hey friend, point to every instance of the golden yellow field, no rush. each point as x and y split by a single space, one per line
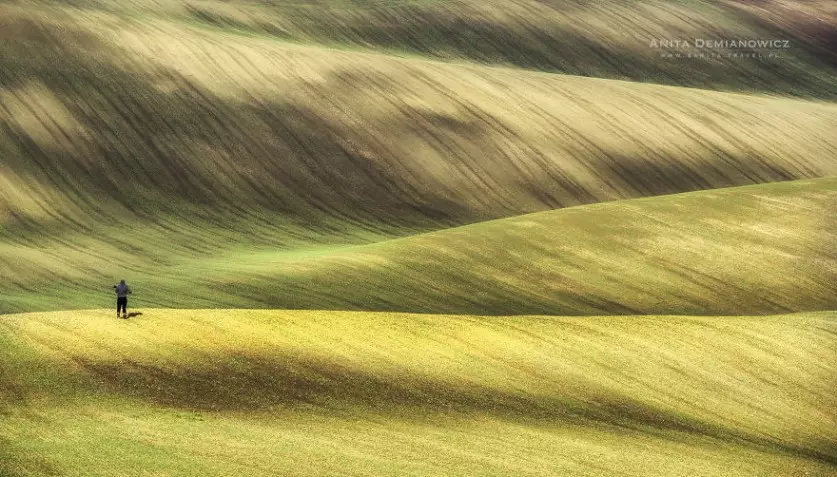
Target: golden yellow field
205 392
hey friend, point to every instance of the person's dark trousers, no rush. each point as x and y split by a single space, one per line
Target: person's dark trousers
121 302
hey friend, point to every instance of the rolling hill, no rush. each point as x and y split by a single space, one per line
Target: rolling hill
417 237
181 156
186 393
750 250
605 39
109 120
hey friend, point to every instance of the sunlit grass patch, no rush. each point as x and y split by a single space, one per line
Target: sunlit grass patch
200 392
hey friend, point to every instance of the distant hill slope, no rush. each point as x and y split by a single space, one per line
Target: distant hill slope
759 249
189 159
107 119
602 38
219 393
752 250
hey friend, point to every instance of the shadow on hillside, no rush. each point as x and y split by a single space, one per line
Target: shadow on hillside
180 144
248 383
815 34
152 150
134 313
548 44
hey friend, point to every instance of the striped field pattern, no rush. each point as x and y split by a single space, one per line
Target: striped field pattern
417 237
318 393
156 144
757 249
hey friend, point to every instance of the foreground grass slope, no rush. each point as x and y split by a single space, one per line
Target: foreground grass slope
751 250
196 392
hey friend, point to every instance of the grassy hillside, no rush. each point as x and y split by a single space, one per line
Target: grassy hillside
757 249
185 393
751 250
218 169
111 120
606 38
392 156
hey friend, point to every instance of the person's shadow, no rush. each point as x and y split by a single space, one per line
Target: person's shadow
134 313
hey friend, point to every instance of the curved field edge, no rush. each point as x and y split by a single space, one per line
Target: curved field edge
209 392
751 250
181 158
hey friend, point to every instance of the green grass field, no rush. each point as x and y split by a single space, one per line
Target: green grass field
317 393
417 237
758 249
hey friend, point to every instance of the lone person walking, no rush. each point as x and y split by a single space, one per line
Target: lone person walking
122 291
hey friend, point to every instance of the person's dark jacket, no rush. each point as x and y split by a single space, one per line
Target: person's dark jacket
122 290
